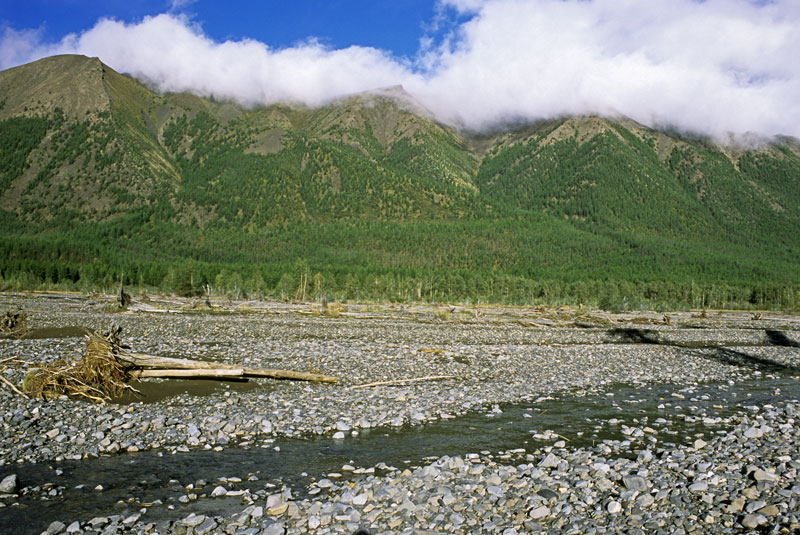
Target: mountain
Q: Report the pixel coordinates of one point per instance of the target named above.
(99, 175)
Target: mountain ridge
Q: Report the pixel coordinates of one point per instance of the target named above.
(91, 152)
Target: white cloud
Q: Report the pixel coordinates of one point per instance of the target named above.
(713, 66)
(177, 5)
(20, 46)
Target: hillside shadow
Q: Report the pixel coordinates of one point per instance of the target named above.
(740, 359)
(635, 336)
(777, 338)
(719, 354)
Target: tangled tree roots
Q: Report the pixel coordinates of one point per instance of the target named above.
(99, 376)
(12, 325)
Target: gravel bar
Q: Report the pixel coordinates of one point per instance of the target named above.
(745, 479)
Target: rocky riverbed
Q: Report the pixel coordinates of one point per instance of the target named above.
(741, 476)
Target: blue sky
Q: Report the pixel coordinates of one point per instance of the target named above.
(719, 67)
(392, 25)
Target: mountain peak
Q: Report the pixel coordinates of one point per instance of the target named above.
(70, 82)
(396, 94)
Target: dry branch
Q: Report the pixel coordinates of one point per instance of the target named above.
(402, 381)
(12, 387)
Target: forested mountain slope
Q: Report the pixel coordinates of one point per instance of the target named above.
(369, 197)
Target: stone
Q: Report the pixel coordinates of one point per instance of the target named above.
(431, 471)
(736, 505)
(539, 512)
(278, 510)
(194, 520)
(313, 522)
(750, 492)
(699, 486)
(637, 483)
(219, 491)
(342, 426)
(753, 432)
(769, 510)
(276, 528)
(275, 500)
(614, 507)
(98, 521)
(753, 521)
(56, 527)
(75, 527)
(763, 475)
(550, 461)
(128, 521)
(495, 490)
(547, 494)
(699, 444)
(206, 527)
(9, 484)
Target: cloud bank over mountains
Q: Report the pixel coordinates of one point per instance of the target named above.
(713, 66)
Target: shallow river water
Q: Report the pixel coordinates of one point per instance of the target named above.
(156, 480)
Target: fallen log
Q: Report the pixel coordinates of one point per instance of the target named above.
(289, 374)
(152, 361)
(212, 373)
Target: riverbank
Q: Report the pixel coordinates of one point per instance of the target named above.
(494, 356)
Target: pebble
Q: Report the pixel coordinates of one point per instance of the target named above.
(9, 484)
(763, 475)
(637, 483)
(753, 521)
(539, 512)
(699, 486)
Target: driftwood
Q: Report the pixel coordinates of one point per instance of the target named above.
(189, 373)
(403, 381)
(107, 367)
(205, 368)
